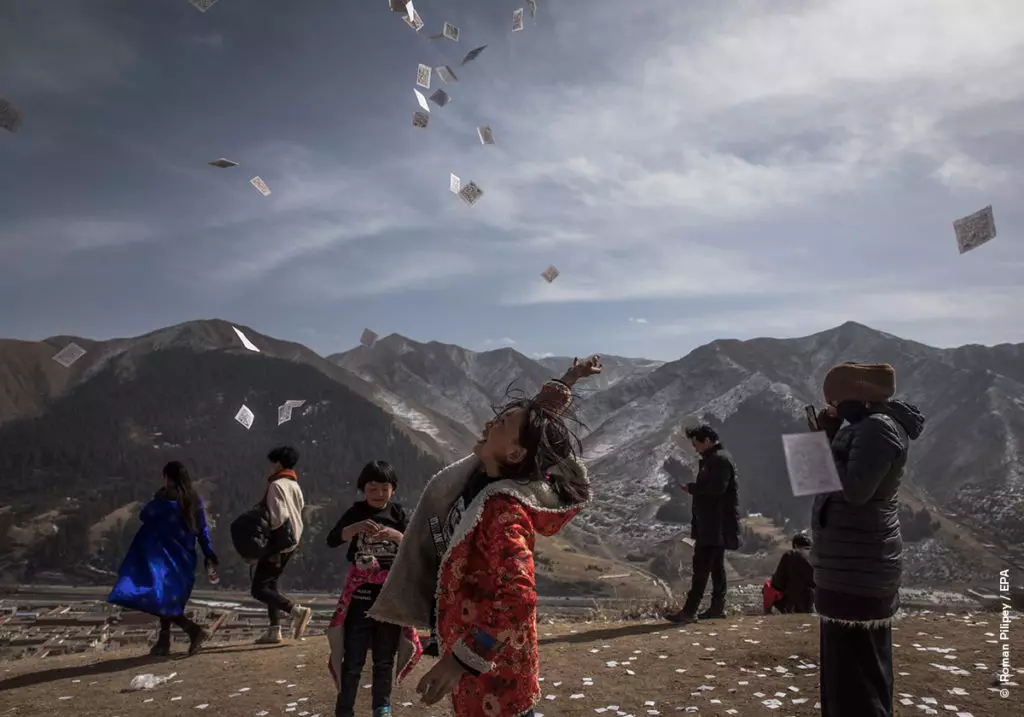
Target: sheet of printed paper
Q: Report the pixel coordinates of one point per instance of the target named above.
(420, 119)
(202, 5)
(223, 163)
(454, 184)
(470, 193)
(245, 340)
(398, 5)
(293, 404)
(550, 274)
(485, 134)
(422, 100)
(812, 470)
(532, 5)
(974, 230)
(450, 32)
(260, 185)
(284, 414)
(415, 23)
(423, 76)
(10, 116)
(446, 74)
(368, 339)
(410, 11)
(517, 20)
(473, 54)
(69, 354)
(440, 98)
(245, 416)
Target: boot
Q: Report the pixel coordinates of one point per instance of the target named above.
(162, 648)
(382, 712)
(712, 614)
(197, 636)
(272, 636)
(300, 620)
(680, 617)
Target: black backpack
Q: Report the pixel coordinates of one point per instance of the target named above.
(250, 533)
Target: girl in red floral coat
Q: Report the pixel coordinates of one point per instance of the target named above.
(469, 550)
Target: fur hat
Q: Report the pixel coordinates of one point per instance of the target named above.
(867, 382)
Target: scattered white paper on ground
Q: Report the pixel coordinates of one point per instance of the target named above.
(245, 417)
(245, 340)
(69, 354)
(809, 462)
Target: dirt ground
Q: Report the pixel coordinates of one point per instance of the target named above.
(640, 668)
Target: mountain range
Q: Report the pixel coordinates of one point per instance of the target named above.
(81, 447)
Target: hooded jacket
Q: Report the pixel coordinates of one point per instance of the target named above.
(715, 513)
(857, 548)
(484, 583)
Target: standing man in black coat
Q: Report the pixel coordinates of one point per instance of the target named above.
(715, 526)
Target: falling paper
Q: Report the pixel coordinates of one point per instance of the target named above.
(422, 100)
(245, 417)
(222, 163)
(398, 5)
(202, 5)
(454, 184)
(10, 116)
(291, 403)
(485, 134)
(260, 185)
(450, 32)
(415, 22)
(809, 462)
(410, 11)
(69, 354)
(473, 54)
(440, 98)
(284, 414)
(245, 340)
(368, 339)
(532, 5)
(446, 74)
(470, 193)
(975, 230)
(517, 20)
(420, 119)
(423, 76)
(550, 274)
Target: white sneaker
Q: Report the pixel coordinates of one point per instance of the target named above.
(300, 620)
(272, 636)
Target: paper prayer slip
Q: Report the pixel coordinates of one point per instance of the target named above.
(10, 116)
(446, 74)
(423, 76)
(422, 100)
(284, 414)
(450, 32)
(550, 274)
(245, 340)
(292, 403)
(485, 134)
(517, 20)
(420, 119)
(245, 416)
(974, 230)
(202, 5)
(368, 339)
(454, 184)
(532, 5)
(410, 11)
(413, 20)
(812, 470)
(260, 185)
(440, 98)
(470, 193)
(473, 54)
(69, 354)
(223, 163)
(398, 5)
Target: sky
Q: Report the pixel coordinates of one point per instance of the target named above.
(694, 169)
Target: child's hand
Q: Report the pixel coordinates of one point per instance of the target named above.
(366, 527)
(386, 534)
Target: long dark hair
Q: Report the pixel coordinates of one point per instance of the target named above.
(179, 488)
(548, 441)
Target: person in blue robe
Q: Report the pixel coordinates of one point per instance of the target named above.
(158, 573)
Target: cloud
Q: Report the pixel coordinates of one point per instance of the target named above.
(500, 342)
(546, 354)
(638, 321)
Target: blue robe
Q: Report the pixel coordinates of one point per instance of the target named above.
(158, 572)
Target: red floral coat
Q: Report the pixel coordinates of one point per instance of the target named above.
(487, 605)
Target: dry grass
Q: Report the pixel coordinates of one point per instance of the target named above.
(738, 658)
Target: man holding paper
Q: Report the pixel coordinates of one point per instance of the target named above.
(857, 546)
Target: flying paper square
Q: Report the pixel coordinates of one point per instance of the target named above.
(446, 74)
(532, 5)
(473, 54)
(245, 340)
(368, 339)
(398, 5)
(260, 185)
(222, 163)
(245, 416)
(292, 403)
(420, 119)
(450, 32)
(69, 354)
(470, 193)
(485, 134)
(422, 100)
(550, 274)
(517, 20)
(10, 116)
(440, 98)
(423, 76)
(454, 184)
(202, 5)
(284, 414)
(974, 230)
(413, 20)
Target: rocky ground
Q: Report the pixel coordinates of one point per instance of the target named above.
(747, 665)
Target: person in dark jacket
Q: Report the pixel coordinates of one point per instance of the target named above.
(791, 587)
(857, 546)
(715, 526)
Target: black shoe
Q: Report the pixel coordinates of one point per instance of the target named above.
(162, 648)
(712, 615)
(198, 637)
(681, 617)
(430, 648)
